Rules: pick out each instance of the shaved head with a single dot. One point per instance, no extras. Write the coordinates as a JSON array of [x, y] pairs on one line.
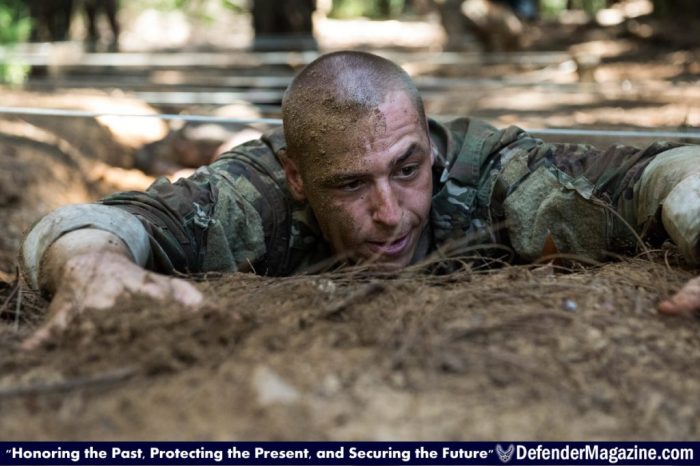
[[334, 93], [359, 152]]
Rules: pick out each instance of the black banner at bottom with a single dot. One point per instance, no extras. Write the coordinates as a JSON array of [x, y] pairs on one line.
[[348, 453]]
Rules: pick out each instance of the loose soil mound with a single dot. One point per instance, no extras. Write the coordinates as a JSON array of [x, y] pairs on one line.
[[517, 353], [47, 162]]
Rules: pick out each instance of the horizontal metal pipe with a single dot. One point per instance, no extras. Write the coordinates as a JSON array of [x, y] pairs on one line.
[[276, 121]]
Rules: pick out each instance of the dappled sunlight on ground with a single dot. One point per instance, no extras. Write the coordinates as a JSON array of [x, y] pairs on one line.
[[340, 34], [121, 179], [152, 29], [131, 132]]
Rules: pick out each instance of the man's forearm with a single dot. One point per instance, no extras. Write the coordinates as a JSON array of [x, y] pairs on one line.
[[680, 215], [79, 229], [75, 244], [672, 182]]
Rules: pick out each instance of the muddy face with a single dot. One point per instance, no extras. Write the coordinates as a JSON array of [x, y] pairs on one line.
[[369, 183]]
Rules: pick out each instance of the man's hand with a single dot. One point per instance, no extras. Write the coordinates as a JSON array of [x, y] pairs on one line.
[[686, 301], [98, 281], [87, 269]]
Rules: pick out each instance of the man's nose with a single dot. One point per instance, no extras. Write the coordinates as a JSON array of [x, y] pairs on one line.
[[386, 205]]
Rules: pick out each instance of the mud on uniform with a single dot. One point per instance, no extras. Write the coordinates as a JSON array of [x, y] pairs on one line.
[[490, 186]]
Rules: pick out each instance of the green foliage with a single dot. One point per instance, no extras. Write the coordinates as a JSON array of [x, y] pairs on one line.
[[343, 9], [15, 24], [551, 8], [590, 6], [237, 6], [13, 72], [15, 27], [201, 10], [195, 7], [164, 5]]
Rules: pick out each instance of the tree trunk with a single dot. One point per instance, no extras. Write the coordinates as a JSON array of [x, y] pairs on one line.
[[384, 7], [284, 25], [51, 20], [684, 9]]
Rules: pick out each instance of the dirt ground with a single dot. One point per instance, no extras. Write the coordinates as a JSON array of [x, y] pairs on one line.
[[517, 352]]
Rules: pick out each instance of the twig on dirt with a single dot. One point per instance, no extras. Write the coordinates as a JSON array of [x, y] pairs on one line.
[[522, 365], [103, 378], [636, 235], [15, 289], [17, 308], [339, 306], [668, 266], [12, 294], [457, 330], [645, 250], [456, 251], [570, 257]]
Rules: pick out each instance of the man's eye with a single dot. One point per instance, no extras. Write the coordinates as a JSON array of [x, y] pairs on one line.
[[351, 186], [408, 171]]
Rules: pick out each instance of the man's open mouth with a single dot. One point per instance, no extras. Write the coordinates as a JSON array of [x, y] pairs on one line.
[[391, 248]]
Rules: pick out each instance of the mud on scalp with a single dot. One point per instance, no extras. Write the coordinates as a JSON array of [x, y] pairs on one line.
[[329, 99]]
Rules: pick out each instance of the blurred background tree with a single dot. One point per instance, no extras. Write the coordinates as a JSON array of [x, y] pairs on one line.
[[288, 25], [50, 20], [15, 27], [284, 25], [686, 9]]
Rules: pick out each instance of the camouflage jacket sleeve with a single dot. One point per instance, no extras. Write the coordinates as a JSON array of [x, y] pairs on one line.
[[540, 198], [231, 215]]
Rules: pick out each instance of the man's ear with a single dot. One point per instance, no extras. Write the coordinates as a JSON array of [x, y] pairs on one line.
[[291, 170]]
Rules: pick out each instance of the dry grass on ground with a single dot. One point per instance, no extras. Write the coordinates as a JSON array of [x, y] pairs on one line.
[[517, 353]]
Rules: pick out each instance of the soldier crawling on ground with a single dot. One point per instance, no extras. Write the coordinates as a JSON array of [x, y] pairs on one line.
[[358, 174]]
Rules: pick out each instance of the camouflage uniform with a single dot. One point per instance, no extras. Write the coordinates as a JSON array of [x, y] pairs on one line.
[[490, 186]]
